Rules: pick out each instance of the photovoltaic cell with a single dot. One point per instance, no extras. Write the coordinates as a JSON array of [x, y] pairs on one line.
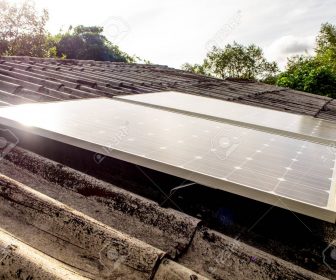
[[279, 170], [300, 126]]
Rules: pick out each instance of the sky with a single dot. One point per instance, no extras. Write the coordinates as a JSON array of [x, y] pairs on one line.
[[177, 31]]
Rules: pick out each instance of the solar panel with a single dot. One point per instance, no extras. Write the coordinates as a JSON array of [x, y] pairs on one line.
[[282, 171], [299, 126]]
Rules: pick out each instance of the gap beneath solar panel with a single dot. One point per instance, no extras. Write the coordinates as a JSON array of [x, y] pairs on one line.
[[290, 173]]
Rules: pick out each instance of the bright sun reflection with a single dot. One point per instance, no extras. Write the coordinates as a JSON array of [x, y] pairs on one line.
[[34, 115]]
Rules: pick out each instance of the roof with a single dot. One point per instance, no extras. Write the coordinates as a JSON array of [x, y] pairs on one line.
[[56, 79], [68, 215]]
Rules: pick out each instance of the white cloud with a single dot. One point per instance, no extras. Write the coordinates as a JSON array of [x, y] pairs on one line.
[[176, 31], [287, 46]]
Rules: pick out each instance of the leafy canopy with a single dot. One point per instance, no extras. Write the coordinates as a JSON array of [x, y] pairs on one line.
[[315, 74], [235, 61], [88, 43], [22, 30], [326, 39]]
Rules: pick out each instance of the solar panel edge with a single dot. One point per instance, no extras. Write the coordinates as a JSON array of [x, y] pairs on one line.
[[262, 128], [218, 100], [324, 213], [332, 195]]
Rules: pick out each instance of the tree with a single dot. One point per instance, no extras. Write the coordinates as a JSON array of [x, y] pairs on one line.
[[196, 68], [88, 43], [22, 30], [314, 74], [309, 74], [235, 61], [23, 33], [326, 39]]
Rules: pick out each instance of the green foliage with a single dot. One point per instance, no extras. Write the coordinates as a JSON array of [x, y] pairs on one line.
[[271, 80], [23, 33], [235, 61], [326, 39], [88, 43], [309, 74], [315, 74], [196, 68], [22, 30], [81, 29]]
